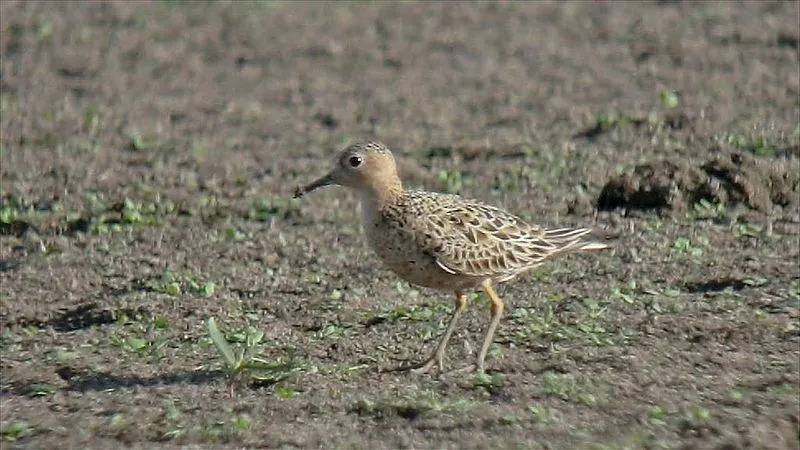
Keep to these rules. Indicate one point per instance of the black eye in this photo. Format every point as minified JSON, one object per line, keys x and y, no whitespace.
{"x":354,"y":161}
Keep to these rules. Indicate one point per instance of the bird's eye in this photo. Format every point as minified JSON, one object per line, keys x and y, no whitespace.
{"x":354,"y":161}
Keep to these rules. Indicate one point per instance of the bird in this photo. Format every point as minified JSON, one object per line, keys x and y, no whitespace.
{"x":444,"y":241}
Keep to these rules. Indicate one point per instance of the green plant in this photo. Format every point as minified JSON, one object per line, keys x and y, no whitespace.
{"x":693,"y":248}
{"x":668,"y":98}
{"x":15,"y":430}
{"x":174,"y":285}
{"x":454,"y":182}
{"x":148,"y":339}
{"x":705,"y":209}
{"x":243,"y":366}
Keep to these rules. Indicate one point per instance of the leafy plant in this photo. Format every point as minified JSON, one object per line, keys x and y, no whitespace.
{"x":243,"y":366}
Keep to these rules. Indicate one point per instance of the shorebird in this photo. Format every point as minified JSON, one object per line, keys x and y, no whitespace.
{"x":443,"y":241}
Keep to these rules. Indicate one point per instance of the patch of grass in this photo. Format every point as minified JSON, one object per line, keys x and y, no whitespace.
{"x":233,"y":234}
{"x":267,"y":209}
{"x":331,"y":331}
{"x":147,"y":337}
{"x":569,"y":388}
{"x":414,"y":313}
{"x":411,"y":406}
{"x":14,"y":431}
{"x":145,"y":142}
{"x":176,"y":285}
{"x":40,"y":390}
{"x":626,"y":292}
{"x":8,"y":215}
{"x":433,"y":316}
{"x":691,"y":247}
{"x":659,"y":302}
{"x":758,"y":145}
{"x":91,"y":119}
{"x":517,"y":178}
{"x":454,"y":182}
{"x":605,"y":122}
{"x":668,"y":99}
{"x":694,"y":416}
{"x":102,"y":217}
{"x":244,"y":366}
{"x":705,"y":209}
{"x":566,"y":320}
{"x":488,"y":383}
{"x":173,"y":420}
{"x":657,"y":415}
{"x":747,"y":230}
{"x":541,"y":414}
{"x":226,"y":430}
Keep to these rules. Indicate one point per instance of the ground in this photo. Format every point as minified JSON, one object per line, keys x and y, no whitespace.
{"x":150,"y":150}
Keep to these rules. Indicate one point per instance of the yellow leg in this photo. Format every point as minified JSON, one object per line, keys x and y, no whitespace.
{"x":497,"y":311}
{"x":437,"y":357}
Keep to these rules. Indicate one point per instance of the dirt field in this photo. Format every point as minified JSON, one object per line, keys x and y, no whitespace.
{"x":149,"y":153}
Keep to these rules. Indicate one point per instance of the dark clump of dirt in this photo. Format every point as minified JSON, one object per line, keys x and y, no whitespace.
{"x":730,"y":178}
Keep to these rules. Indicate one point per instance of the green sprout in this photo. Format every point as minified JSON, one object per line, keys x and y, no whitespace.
{"x":243,"y":366}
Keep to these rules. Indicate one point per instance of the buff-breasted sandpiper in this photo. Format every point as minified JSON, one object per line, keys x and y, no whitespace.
{"x":443,"y":241}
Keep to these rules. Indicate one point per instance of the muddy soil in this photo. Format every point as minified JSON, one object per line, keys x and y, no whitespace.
{"x":149,"y":155}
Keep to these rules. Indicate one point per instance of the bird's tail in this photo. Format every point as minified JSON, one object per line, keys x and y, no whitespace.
{"x":575,"y":239}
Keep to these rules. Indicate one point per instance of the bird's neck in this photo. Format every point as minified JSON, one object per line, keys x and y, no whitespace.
{"x":377,"y":195}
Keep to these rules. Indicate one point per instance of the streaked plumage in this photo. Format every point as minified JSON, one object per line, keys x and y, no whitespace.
{"x":444,"y":241}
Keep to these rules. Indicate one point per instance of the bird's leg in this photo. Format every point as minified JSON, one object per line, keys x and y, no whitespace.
{"x":497,"y":311}
{"x":438,"y":355}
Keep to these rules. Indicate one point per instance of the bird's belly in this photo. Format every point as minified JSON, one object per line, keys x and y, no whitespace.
{"x":416,"y":267}
{"x":422,"y":274}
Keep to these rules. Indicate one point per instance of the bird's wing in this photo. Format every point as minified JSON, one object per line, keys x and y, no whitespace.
{"x":467,"y":237}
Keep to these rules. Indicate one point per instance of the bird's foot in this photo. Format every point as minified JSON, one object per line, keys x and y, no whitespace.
{"x":420,"y":368}
{"x":471,"y":368}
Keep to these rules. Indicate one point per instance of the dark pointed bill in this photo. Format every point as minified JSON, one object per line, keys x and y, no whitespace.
{"x":327,"y":180}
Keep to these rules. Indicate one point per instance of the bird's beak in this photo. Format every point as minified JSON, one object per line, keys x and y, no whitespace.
{"x":327,"y":180}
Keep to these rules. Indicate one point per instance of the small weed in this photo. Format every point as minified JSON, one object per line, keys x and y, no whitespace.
{"x":705,"y":209}
{"x":734,"y":396}
{"x":13,"y":431}
{"x":489,"y":383}
{"x":234,"y":234}
{"x":144,"y":142}
{"x":626,"y":292}
{"x":685,"y":246}
{"x":569,"y":388}
{"x":271,"y":208}
{"x":8,"y":215}
{"x":91,"y":119}
{"x":174,"y":285}
{"x":516,"y":179}
{"x":148,"y":339}
{"x":747,"y":230}
{"x":416,"y":313}
{"x":243,"y":365}
{"x":198,"y":149}
{"x":44,"y":30}
{"x":541,"y":414}
{"x":41,"y":390}
{"x":411,"y":406}
{"x":695,"y":416}
{"x":102,"y":218}
{"x":657,"y":415}
{"x":587,"y":321}
{"x":668,"y":99}
{"x":757,"y":145}
{"x":454,"y":182}
{"x":331,"y":331}
{"x":285,"y":392}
